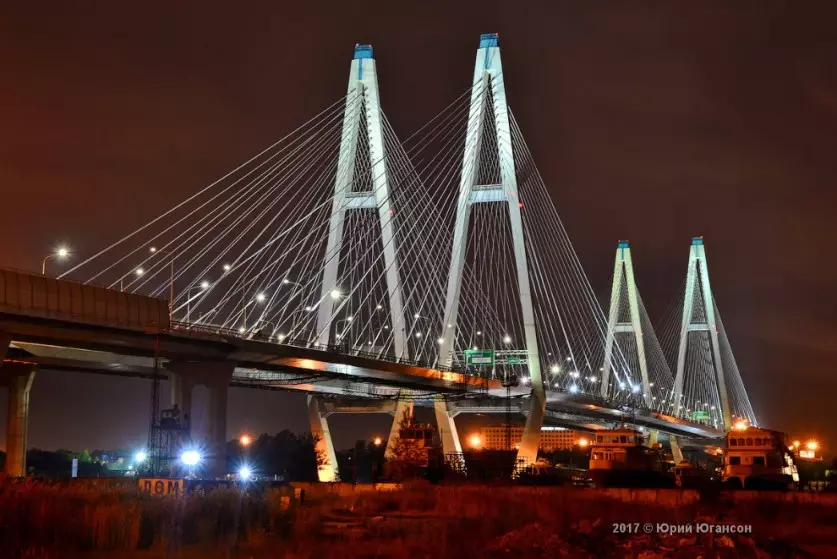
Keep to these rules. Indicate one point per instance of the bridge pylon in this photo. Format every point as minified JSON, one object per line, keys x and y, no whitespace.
{"x":362,"y":123}
{"x":362,"y":145}
{"x":488,"y":96}
{"x":624,"y":317}
{"x":699,"y":315}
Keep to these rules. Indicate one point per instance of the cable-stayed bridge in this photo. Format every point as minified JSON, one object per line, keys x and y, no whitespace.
{"x":344,"y":260}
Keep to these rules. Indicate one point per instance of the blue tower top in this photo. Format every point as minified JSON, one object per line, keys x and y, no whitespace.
{"x":363,"y":51}
{"x":623,"y":244}
{"x":697,"y":241}
{"x":489,"y":40}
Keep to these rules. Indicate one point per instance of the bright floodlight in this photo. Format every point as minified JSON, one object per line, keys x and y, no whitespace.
{"x":261,"y":297}
{"x":555,"y":369}
{"x":241,"y":330}
{"x":245,"y":440}
{"x":812,"y":445}
{"x":741,"y":425}
{"x":286,"y":281}
{"x":63,"y":252}
{"x":635,"y":389}
{"x":308,"y":309}
{"x":416,"y":315}
{"x":507,"y":339}
{"x":441,"y":340}
{"x":190,"y":457}
{"x":573,"y":389}
{"x":152,"y":249}
{"x":140,"y":456}
{"x":139,"y":271}
{"x":335,"y":293}
{"x":244,"y":473}
{"x":418,"y":334}
{"x":379,"y":307}
{"x":204,"y":284}
{"x":476,"y":441}
{"x":227,"y":267}
{"x":377,"y":441}
{"x":583,"y":443}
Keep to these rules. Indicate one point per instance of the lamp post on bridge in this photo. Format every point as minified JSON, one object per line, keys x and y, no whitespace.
{"x":204,"y":285}
{"x":61,"y":254}
{"x":154,"y":250}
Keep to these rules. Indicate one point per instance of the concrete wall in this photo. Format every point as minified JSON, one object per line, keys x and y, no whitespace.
{"x":44,"y":297}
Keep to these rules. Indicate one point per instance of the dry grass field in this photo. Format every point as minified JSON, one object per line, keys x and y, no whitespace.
{"x":420,"y":520}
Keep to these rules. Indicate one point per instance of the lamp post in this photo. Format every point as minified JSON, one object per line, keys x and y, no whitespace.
{"x":154,"y":250}
{"x":61,"y":253}
{"x":204,"y":285}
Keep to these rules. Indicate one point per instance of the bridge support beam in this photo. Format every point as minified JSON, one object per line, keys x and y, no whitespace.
{"x":447,"y":427}
{"x":323,"y":445}
{"x":17,"y":377}
{"x":623,"y":272}
{"x":488,"y":94}
{"x":362,"y":100}
{"x":697,"y":283}
{"x":216,"y":376}
{"x":403,"y":412}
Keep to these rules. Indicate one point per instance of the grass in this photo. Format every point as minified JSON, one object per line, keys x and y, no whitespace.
{"x":419,"y":520}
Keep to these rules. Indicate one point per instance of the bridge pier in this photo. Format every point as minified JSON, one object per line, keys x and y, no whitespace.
{"x":403,"y":410}
{"x":323,"y":445}
{"x":447,"y":427}
{"x":216,"y":376}
{"x":17,"y":376}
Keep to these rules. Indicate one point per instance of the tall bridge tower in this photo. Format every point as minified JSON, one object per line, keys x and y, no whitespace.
{"x":699,"y":316}
{"x":488,"y":96}
{"x":624,"y":317}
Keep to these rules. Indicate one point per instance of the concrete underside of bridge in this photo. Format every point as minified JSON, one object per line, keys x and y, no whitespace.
{"x":336,"y":382}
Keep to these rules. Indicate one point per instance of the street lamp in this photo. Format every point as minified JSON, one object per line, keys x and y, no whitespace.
{"x":154,"y":250}
{"x":812,"y":445}
{"x":377,"y":441}
{"x":61,"y":254}
{"x":507,"y":339}
{"x":335,"y":294}
{"x":204,"y":285}
{"x":476,"y":441}
{"x":245,"y":440}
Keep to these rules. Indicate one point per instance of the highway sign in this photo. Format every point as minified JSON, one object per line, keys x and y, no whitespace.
{"x":700,"y":415}
{"x":479,"y":357}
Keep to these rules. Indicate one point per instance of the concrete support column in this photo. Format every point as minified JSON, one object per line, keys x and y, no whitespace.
{"x":676,"y":453}
{"x":17,"y":376}
{"x":403,"y":411}
{"x":181,"y":397}
{"x":447,"y":428}
{"x":216,"y":376}
{"x":323,"y":446}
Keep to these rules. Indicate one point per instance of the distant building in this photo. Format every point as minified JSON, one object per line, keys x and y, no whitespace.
{"x":552,"y":438}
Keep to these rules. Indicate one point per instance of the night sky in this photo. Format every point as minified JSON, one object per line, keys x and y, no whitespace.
{"x":651,"y":121}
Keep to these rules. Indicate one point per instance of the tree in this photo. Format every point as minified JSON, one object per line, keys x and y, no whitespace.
{"x":407,"y":454}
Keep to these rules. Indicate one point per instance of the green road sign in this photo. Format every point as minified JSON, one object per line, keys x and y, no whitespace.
{"x":479,"y":357}
{"x":514,"y":361}
{"x":700,"y":415}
